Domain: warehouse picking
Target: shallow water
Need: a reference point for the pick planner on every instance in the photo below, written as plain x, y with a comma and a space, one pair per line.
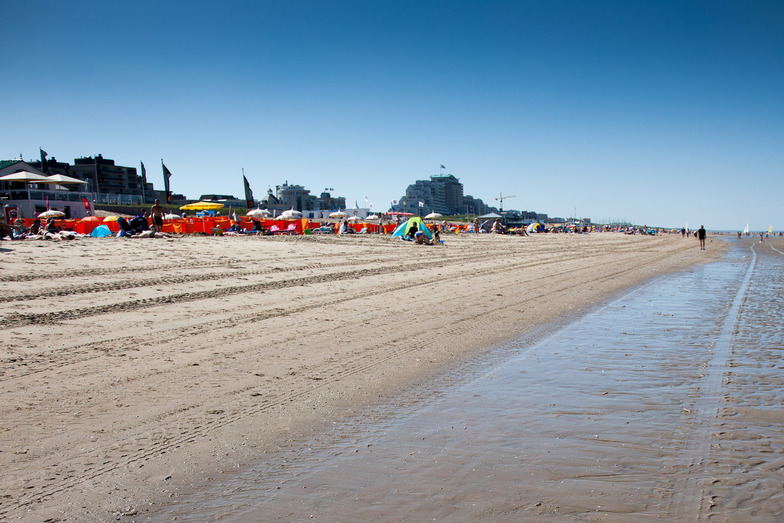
662, 404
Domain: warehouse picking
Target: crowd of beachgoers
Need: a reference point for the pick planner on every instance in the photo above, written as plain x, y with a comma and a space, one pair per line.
142, 226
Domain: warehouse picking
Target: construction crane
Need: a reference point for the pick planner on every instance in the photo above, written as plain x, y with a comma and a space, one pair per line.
501, 198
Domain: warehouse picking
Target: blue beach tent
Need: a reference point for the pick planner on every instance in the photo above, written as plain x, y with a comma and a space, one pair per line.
403, 228
102, 231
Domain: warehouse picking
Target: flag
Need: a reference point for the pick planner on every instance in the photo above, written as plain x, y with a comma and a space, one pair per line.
421, 204
248, 193
166, 176
44, 165
98, 173
47, 202
86, 204
144, 182
442, 166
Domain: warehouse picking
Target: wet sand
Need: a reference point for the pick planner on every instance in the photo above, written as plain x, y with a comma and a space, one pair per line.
135, 372
664, 404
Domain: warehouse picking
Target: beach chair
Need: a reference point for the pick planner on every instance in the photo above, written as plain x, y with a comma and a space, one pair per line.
291, 229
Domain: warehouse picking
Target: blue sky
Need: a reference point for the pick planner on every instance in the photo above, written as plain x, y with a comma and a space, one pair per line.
659, 112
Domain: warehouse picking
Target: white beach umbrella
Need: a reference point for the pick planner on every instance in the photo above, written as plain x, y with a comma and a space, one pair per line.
433, 216
291, 214
63, 180
258, 213
171, 216
355, 219
372, 217
24, 176
338, 214
51, 214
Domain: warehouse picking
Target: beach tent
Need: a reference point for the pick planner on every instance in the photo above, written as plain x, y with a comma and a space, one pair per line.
101, 231
535, 227
404, 227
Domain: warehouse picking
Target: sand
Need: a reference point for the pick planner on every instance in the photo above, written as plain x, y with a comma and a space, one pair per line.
135, 370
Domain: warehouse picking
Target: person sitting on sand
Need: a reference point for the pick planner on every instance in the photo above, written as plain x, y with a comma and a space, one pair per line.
35, 228
19, 230
51, 226
7, 230
412, 231
140, 223
421, 238
497, 227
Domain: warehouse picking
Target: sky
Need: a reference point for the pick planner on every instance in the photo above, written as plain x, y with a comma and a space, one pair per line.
666, 113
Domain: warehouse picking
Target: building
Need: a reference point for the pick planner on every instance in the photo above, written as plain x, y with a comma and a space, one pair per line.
109, 182
442, 193
226, 199
26, 200
289, 196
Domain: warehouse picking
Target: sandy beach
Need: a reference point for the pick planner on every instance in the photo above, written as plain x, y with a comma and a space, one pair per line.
137, 370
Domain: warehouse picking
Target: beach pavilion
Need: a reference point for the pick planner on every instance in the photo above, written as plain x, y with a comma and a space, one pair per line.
26, 191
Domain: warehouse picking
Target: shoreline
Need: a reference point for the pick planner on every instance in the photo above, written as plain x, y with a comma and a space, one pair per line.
135, 371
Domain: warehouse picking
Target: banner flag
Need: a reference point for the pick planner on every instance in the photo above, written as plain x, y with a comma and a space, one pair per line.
98, 174
248, 193
144, 183
166, 175
44, 164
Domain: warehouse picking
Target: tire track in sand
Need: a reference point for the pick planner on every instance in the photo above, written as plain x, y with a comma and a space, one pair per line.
207, 424
689, 491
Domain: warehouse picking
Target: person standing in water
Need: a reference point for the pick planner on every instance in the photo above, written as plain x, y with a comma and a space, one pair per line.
701, 236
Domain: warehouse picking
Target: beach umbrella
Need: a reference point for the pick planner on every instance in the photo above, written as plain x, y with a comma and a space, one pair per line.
372, 217
338, 214
90, 219
433, 216
51, 214
63, 180
24, 176
291, 214
258, 213
201, 206
171, 216
355, 219
111, 219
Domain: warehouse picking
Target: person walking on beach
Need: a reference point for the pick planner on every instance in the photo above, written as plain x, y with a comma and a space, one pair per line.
701, 236
157, 216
